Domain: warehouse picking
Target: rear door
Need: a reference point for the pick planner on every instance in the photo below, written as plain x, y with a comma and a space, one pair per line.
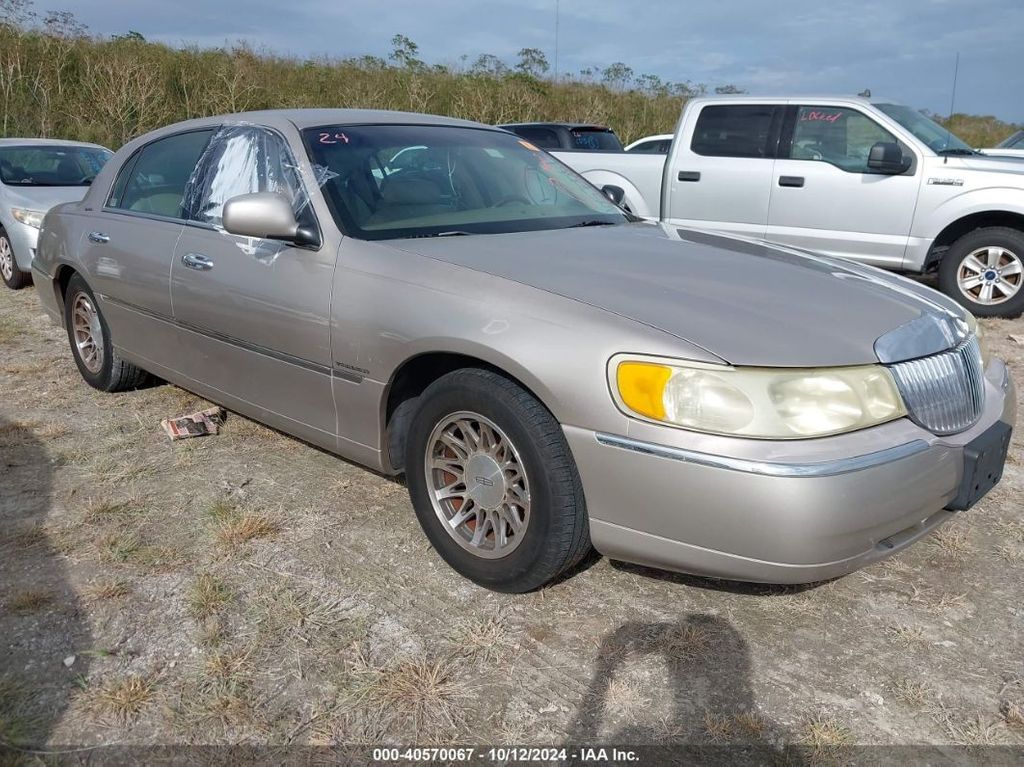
128, 244
255, 313
825, 198
721, 178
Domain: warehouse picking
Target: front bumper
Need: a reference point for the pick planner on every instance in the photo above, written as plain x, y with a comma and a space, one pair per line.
756, 515
23, 240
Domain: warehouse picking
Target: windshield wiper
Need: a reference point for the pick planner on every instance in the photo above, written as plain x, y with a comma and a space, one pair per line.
453, 233
591, 223
957, 152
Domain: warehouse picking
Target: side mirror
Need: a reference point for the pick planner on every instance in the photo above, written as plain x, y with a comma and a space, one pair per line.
266, 215
887, 157
614, 193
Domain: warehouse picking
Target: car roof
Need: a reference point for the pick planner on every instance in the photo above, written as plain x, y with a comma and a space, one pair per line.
570, 126
45, 142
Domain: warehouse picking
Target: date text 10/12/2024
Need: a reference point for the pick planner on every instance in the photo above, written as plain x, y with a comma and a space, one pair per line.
505, 754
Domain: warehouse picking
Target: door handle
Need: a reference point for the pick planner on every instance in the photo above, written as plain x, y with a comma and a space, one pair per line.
98, 237
689, 175
791, 181
198, 262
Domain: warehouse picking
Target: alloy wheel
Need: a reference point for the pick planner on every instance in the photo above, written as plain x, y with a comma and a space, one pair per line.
990, 275
6, 258
88, 332
477, 483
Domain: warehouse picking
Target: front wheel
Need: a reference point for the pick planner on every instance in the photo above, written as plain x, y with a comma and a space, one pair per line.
493, 483
984, 271
10, 273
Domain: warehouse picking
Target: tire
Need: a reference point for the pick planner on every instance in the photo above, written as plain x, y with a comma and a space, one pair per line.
525, 462
10, 273
984, 271
97, 361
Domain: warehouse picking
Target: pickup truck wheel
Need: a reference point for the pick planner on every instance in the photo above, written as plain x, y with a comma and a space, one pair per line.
89, 335
493, 483
984, 271
13, 277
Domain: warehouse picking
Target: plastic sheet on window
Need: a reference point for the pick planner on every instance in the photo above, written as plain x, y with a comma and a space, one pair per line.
242, 159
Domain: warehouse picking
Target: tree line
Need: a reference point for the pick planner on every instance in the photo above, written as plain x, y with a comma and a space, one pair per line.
57, 79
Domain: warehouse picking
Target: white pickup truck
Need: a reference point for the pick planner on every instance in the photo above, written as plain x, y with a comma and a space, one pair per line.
872, 181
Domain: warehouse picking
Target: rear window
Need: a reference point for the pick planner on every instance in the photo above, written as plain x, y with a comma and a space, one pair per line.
545, 138
733, 130
595, 140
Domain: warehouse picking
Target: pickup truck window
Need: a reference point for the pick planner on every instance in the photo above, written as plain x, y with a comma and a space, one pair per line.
392, 181
733, 130
836, 135
154, 180
925, 129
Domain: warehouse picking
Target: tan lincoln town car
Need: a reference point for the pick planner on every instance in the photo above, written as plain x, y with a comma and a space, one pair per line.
439, 298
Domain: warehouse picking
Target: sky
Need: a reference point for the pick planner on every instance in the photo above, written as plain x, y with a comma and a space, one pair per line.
904, 50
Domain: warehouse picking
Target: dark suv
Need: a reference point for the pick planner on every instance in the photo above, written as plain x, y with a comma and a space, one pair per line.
568, 136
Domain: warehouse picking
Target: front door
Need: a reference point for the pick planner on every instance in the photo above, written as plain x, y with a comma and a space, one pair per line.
825, 198
255, 314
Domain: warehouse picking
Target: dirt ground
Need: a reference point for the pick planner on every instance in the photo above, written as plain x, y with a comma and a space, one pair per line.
248, 588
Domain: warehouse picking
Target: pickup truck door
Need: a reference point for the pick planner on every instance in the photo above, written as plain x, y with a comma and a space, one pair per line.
721, 178
254, 314
825, 198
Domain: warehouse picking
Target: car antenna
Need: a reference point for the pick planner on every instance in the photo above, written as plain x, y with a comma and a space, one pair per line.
952, 107
865, 94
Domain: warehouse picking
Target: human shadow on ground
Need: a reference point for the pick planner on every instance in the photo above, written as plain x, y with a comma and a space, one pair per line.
683, 691
41, 621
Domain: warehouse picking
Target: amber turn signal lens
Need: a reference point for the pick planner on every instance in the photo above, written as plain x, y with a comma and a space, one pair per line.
642, 387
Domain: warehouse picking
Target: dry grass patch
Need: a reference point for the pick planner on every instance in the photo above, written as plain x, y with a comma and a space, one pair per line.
906, 635
102, 510
685, 642
953, 541
484, 638
826, 737
121, 700
9, 330
1013, 714
913, 692
718, 727
30, 601
26, 539
106, 590
234, 526
207, 595
17, 724
418, 696
127, 548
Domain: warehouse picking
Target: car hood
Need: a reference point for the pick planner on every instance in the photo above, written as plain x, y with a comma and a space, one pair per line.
42, 197
743, 301
991, 163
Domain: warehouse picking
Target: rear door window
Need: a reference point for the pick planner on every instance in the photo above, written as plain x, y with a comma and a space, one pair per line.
154, 181
734, 130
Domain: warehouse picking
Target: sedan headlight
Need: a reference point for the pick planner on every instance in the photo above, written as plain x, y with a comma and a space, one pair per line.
28, 217
766, 403
976, 328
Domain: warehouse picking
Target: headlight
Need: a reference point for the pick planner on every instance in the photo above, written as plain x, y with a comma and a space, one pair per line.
767, 403
28, 217
976, 328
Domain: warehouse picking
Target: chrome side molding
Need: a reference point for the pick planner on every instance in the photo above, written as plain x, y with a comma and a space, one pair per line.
766, 468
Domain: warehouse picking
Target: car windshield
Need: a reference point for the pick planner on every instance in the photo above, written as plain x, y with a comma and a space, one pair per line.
937, 138
51, 165
390, 181
1016, 141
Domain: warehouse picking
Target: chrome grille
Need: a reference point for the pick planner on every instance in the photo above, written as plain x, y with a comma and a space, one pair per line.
945, 392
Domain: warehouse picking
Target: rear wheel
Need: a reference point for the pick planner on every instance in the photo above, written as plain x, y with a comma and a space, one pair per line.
493, 483
89, 335
984, 271
13, 277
